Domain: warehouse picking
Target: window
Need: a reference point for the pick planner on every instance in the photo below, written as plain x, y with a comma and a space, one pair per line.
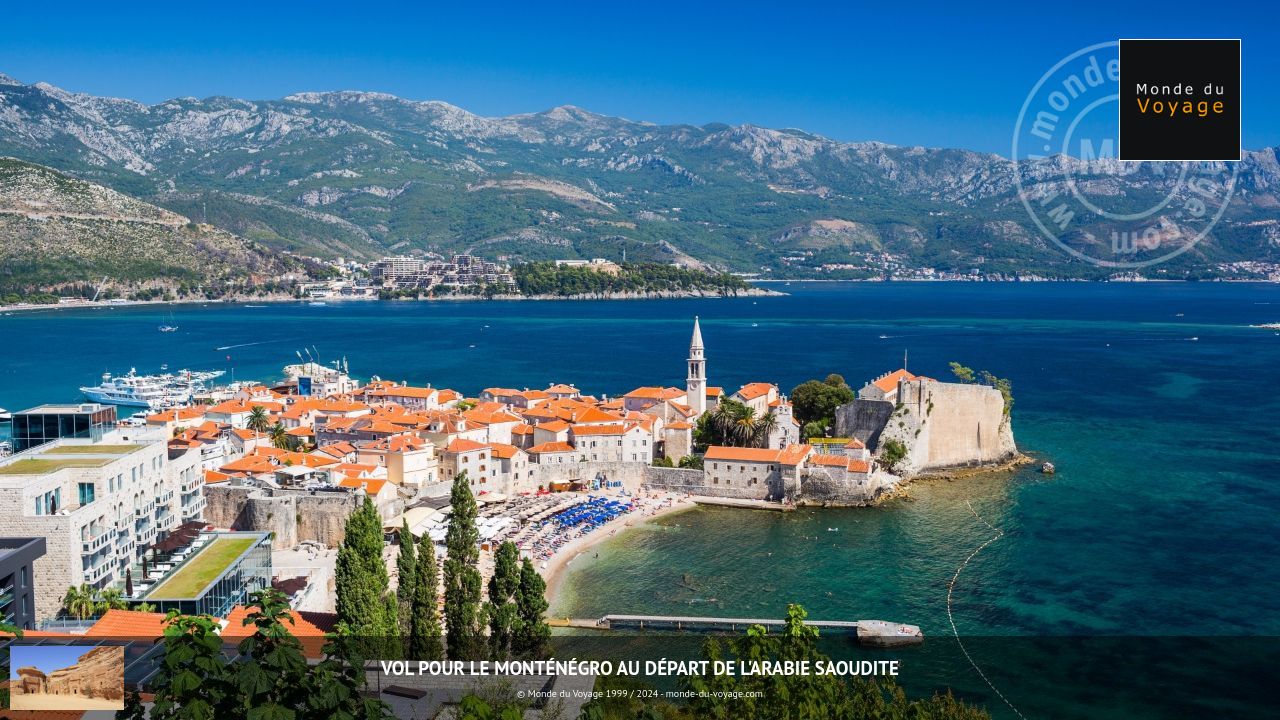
86, 491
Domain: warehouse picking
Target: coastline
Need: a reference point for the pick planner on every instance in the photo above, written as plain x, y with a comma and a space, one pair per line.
254, 300
557, 566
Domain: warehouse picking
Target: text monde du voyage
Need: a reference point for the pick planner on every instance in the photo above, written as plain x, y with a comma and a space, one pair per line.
1180, 99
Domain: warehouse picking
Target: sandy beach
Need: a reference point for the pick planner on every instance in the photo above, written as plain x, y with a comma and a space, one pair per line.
555, 568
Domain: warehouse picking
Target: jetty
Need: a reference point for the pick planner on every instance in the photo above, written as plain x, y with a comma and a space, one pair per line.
875, 633
741, 503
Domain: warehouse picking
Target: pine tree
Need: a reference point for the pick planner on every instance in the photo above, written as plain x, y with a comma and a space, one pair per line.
407, 567
503, 611
532, 635
461, 578
424, 617
360, 578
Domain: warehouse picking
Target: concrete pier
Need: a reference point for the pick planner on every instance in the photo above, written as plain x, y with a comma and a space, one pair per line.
876, 633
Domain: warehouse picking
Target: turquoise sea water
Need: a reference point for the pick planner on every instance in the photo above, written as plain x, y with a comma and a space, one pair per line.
1161, 521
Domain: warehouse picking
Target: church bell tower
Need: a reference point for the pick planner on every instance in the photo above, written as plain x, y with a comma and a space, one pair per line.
696, 386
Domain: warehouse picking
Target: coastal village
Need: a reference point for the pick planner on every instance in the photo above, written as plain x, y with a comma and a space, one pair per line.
193, 507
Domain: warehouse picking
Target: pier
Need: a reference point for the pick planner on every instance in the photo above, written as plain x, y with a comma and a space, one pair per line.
878, 633
741, 503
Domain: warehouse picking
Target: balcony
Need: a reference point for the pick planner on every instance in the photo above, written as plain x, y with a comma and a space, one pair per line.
99, 571
145, 509
96, 542
165, 497
192, 508
146, 535
193, 484
6, 596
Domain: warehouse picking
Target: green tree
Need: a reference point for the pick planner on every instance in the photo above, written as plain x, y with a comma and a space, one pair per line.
805, 697
258, 420
503, 611
962, 373
280, 438
111, 599
80, 602
193, 681
133, 709
816, 401
361, 580
892, 452
424, 627
407, 572
734, 424
271, 680
532, 636
663, 461
693, 462
462, 611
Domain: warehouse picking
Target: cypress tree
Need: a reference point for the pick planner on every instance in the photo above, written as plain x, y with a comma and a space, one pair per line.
503, 611
424, 617
407, 568
461, 578
532, 636
361, 580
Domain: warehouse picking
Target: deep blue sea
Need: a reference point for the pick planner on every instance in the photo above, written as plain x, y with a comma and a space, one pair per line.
1157, 402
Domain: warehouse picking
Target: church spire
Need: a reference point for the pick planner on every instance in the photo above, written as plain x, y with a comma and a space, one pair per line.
696, 385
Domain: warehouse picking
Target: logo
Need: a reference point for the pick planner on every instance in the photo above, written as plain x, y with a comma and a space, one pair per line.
1082, 197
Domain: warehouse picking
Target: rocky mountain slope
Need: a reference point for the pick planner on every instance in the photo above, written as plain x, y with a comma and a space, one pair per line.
56, 231
360, 174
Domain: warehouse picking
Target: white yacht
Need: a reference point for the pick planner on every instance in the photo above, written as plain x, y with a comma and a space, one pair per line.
149, 391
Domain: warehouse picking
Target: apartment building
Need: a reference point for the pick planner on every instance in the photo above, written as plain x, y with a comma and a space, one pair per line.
99, 504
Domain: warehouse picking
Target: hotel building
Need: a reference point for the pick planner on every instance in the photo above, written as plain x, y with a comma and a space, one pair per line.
98, 503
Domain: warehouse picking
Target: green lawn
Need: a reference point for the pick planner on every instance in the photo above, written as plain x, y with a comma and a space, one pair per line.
94, 449
42, 465
202, 569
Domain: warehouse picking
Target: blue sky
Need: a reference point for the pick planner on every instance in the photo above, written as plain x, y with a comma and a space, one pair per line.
45, 658
910, 73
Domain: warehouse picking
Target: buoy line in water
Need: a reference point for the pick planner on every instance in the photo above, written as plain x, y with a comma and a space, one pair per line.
951, 588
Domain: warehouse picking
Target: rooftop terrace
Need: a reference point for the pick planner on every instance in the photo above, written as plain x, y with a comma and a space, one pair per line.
203, 568
63, 454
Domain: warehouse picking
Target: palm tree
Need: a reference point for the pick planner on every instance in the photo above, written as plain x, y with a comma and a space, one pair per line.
79, 601
111, 599
258, 420
280, 437
764, 427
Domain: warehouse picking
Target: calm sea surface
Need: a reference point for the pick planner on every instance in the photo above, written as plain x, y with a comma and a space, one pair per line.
1157, 403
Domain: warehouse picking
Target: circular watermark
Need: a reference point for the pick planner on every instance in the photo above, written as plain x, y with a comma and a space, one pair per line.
1096, 207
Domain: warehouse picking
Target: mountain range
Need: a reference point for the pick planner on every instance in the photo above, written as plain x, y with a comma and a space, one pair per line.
361, 174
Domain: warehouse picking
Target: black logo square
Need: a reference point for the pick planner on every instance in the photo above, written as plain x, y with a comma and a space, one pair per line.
1180, 99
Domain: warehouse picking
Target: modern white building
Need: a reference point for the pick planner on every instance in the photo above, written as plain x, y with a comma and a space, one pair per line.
99, 504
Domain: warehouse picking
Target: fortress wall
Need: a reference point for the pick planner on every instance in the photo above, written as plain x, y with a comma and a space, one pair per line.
224, 505
274, 515
941, 425
323, 517
695, 482
967, 426
864, 420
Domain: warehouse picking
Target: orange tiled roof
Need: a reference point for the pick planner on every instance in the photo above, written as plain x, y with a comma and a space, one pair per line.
751, 391
310, 635
855, 444
128, 624
859, 466
737, 454
655, 393
613, 429
550, 447
889, 382
794, 454
830, 460
679, 425
373, 487
186, 413
504, 451
213, 476
562, 388
461, 445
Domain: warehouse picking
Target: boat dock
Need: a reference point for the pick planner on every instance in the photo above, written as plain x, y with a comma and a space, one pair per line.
879, 633
741, 503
